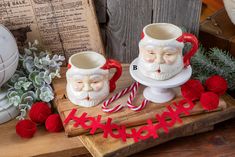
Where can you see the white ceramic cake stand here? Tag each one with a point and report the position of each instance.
(159, 91)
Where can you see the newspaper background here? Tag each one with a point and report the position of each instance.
(62, 26)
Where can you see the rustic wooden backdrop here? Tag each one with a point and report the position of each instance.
(121, 21)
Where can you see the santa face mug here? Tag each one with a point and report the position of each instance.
(160, 51)
(88, 78)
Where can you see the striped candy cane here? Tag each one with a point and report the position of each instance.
(131, 98)
(115, 97)
(133, 89)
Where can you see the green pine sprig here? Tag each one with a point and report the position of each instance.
(214, 62)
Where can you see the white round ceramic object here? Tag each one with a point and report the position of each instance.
(7, 62)
(8, 46)
(7, 72)
(9, 55)
(159, 91)
(3, 94)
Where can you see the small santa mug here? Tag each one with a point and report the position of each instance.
(161, 51)
(88, 80)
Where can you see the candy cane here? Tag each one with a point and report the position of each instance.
(115, 97)
(131, 98)
(133, 89)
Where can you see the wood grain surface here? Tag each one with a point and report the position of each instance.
(101, 9)
(42, 144)
(125, 116)
(181, 13)
(125, 20)
(217, 143)
(100, 147)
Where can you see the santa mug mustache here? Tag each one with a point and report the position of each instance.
(161, 51)
(88, 82)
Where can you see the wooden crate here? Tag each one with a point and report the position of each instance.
(125, 117)
(218, 31)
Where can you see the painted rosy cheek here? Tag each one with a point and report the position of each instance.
(78, 86)
(150, 60)
(97, 86)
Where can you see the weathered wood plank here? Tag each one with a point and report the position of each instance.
(126, 20)
(101, 10)
(100, 147)
(184, 13)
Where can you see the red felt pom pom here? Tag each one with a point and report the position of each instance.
(192, 90)
(54, 123)
(26, 128)
(209, 101)
(216, 84)
(39, 112)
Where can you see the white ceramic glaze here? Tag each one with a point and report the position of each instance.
(7, 72)
(159, 91)
(7, 111)
(9, 55)
(230, 8)
(87, 81)
(160, 50)
(8, 46)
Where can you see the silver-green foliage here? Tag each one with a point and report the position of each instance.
(31, 82)
(214, 62)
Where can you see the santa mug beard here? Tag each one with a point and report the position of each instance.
(88, 99)
(160, 71)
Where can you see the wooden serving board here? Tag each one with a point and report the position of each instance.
(100, 147)
(124, 117)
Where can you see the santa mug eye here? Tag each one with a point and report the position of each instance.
(79, 82)
(95, 82)
(151, 52)
(169, 54)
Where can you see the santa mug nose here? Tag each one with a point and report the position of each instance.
(159, 60)
(87, 87)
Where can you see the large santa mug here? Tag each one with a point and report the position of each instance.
(88, 80)
(161, 51)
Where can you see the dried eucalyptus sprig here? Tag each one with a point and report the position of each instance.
(31, 82)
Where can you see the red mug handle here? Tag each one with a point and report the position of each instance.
(113, 64)
(187, 37)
